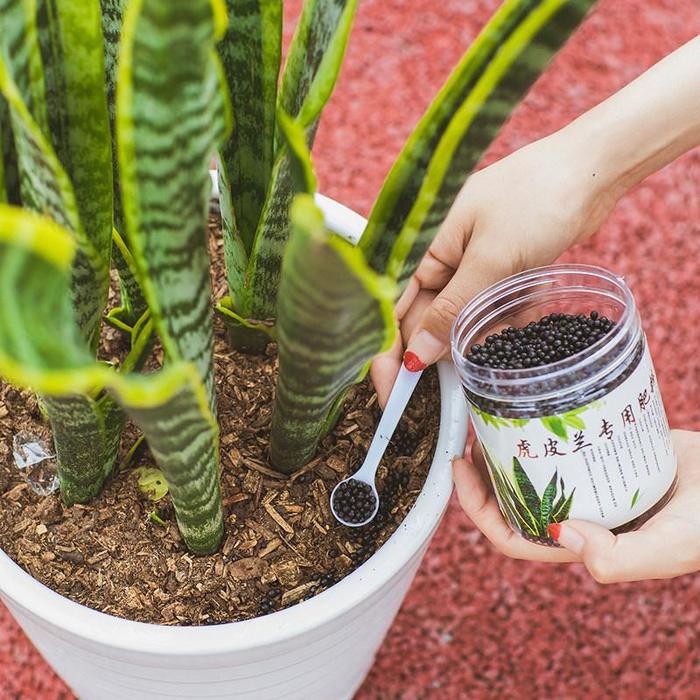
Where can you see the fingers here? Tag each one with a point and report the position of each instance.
(479, 503)
(384, 370)
(653, 552)
(475, 272)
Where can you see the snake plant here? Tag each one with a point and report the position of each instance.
(110, 112)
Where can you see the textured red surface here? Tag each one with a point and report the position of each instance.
(476, 625)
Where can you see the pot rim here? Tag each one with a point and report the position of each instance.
(40, 601)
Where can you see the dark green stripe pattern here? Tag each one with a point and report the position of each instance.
(38, 332)
(19, 48)
(505, 59)
(9, 173)
(86, 436)
(77, 106)
(45, 187)
(335, 315)
(183, 438)
(132, 300)
(250, 54)
(171, 116)
(41, 349)
(313, 65)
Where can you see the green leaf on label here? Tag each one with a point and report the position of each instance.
(635, 498)
(555, 425)
(563, 513)
(573, 421)
(526, 489)
(152, 483)
(547, 499)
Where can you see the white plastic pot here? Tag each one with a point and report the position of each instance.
(320, 649)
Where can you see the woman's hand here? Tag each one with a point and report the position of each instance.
(522, 212)
(528, 208)
(667, 545)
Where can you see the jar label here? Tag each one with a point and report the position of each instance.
(608, 461)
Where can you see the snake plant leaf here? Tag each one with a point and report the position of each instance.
(314, 61)
(133, 304)
(77, 106)
(335, 315)
(526, 490)
(294, 168)
(86, 437)
(315, 56)
(499, 67)
(41, 348)
(9, 174)
(46, 188)
(546, 504)
(301, 171)
(250, 53)
(511, 501)
(518, 515)
(172, 113)
(19, 49)
(562, 498)
(563, 512)
(172, 409)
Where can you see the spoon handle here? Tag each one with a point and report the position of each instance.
(400, 394)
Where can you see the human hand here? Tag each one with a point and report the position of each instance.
(667, 545)
(528, 208)
(521, 212)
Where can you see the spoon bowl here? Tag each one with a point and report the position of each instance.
(366, 520)
(400, 394)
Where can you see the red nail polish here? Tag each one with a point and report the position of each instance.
(554, 530)
(412, 362)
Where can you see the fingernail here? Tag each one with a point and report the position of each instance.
(412, 362)
(426, 348)
(567, 537)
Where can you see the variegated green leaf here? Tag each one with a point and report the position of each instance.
(250, 53)
(77, 106)
(38, 333)
(172, 409)
(563, 512)
(314, 61)
(502, 63)
(525, 489)
(9, 173)
(301, 171)
(171, 116)
(19, 49)
(45, 187)
(292, 174)
(335, 315)
(40, 348)
(86, 435)
(315, 57)
(133, 303)
(546, 506)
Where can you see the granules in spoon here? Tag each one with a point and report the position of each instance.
(354, 501)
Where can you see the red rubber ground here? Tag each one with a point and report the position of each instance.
(476, 625)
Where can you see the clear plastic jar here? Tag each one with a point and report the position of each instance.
(585, 437)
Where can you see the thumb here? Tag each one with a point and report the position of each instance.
(631, 556)
(430, 339)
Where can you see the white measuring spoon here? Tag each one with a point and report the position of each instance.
(400, 394)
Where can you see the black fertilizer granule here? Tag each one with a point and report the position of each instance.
(354, 501)
(551, 339)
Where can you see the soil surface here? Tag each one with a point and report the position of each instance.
(122, 553)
